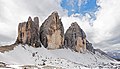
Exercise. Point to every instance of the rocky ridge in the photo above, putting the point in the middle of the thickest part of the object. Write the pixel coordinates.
(51, 34)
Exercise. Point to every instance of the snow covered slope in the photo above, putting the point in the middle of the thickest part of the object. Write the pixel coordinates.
(64, 58)
(114, 54)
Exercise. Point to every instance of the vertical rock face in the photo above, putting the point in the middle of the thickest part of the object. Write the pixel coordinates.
(75, 38)
(28, 32)
(52, 32)
(89, 47)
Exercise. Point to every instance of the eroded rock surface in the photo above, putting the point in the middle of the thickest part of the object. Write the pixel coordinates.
(28, 32)
(52, 32)
(75, 38)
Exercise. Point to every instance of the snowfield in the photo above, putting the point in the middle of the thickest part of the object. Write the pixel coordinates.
(55, 59)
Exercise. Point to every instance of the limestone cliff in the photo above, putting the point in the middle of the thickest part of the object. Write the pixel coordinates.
(75, 38)
(28, 32)
(52, 32)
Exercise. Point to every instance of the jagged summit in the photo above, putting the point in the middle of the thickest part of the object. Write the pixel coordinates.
(29, 18)
(54, 12)
(36, 20)
(51, 34)
(28, 32)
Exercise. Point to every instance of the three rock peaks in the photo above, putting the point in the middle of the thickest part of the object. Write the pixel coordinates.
(51, 34)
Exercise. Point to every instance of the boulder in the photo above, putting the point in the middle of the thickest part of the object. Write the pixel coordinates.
(28, 32)
(75, 38)
(52, 32)
(2, 65)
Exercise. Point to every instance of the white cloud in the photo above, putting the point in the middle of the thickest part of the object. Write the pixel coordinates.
(107, 20)
(12, 12)
(103, 33)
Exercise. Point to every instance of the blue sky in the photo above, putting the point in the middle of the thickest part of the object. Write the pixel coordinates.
(80, 7)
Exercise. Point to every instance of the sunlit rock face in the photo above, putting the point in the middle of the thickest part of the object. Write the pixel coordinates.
(28, 32)
(52, 32)
(75, 38)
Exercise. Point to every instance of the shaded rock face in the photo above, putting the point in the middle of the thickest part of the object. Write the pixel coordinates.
(75, 38)
(89, 47)
(28, 32)
(52, 32)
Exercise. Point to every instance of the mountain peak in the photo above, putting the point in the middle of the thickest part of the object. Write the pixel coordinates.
(54, 12)
(52, 32)
(29, 19)
(75, 38)
(28, 32)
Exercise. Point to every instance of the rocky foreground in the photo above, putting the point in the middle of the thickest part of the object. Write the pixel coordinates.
(24, 56)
